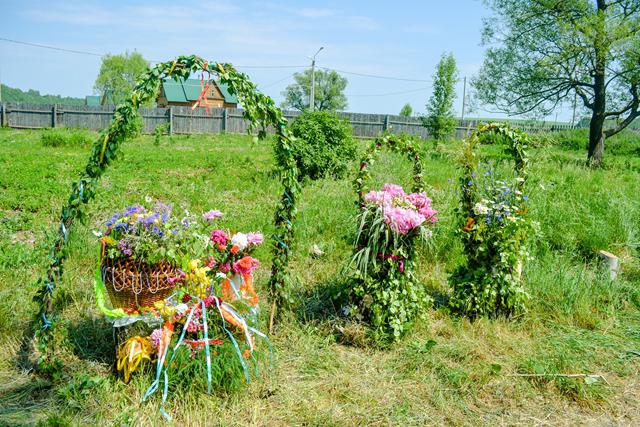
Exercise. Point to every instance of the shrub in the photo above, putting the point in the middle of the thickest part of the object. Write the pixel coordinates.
(64, 137)
(324, 144)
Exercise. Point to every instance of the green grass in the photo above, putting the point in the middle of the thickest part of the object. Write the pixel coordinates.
(446, 371)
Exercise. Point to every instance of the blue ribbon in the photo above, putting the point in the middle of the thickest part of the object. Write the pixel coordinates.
(206, 346)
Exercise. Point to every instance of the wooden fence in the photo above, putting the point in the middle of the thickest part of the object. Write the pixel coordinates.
(181, 120)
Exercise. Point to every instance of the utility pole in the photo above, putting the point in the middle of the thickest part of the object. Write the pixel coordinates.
(464, 96)
(313, 81)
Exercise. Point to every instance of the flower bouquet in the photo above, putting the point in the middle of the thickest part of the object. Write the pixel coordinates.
(495, 235)
(390, 223)
(204, 325)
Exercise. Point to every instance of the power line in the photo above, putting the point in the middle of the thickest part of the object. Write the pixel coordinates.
(277, 81)
(81, 52)
(375, 76)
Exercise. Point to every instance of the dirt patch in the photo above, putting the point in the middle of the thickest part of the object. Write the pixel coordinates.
(26, 237)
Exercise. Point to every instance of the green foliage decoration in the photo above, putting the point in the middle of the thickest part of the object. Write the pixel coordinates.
(385, 291)
(495, 229)
(258, 109)
(324, 144)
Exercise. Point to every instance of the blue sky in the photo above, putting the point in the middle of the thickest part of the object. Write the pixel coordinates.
(399, 39)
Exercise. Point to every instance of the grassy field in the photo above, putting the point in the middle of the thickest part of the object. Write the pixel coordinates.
(446, 371)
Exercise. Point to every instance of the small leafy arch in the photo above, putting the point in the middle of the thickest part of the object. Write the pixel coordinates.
(401, 144)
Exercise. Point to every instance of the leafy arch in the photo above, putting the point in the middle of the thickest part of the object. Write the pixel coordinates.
(516, 145)
(261, 112)
(495, 233)
(401, 144)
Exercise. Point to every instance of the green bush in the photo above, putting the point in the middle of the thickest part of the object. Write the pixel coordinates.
(65, 137)
(324, 144)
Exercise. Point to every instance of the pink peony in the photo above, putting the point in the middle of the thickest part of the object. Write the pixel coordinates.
(255, 238)
(219, 237)
(394, 190)
(402, 220)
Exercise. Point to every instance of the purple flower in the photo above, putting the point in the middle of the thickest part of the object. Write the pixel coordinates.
(212, 214)
(185, 223)
(161, 207)
(149, 220)
(255, 238)
(121, 226)
(133, 209)
(113, 219)
(525, 198)
(157, 231)
(125, 247)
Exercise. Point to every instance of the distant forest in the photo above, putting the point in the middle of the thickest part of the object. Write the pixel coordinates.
(10, 94)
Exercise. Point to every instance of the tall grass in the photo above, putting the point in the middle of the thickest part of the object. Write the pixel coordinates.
(447, 370)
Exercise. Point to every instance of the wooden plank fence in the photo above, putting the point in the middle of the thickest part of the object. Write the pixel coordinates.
(182, 120)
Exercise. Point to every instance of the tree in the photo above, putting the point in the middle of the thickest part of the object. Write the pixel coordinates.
(118, 74)
(440, 120)
(406, 111)
(329, 91)
(545, 51)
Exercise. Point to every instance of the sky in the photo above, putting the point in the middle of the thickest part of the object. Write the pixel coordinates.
(268, 40)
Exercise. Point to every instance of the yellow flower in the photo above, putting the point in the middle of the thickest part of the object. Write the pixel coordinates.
(165, 310)
(109, 241)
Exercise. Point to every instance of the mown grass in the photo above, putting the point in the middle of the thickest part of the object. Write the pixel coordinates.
(446, 371)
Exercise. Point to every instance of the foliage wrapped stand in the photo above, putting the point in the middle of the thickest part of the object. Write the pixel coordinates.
(495, 229)
(385, 291)
(258, 109)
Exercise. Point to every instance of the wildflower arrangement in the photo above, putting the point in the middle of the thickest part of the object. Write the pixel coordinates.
(206, 329)
(386, 293)
(495, 230)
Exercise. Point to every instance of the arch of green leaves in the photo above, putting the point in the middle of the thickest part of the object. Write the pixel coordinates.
(495, 241)
(258, 109)
(394, 143)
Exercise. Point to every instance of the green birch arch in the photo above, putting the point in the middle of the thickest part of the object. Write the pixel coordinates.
(258, 109)
(402, 144)
(517, 142)
(488, 284)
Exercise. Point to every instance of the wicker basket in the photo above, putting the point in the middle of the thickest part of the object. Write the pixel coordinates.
(132, 284)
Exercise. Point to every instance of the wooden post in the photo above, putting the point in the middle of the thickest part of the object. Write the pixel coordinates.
(54, 115)
(2, 114)
(611, 261)
(385, 123)
(170, 120)
(225, 116)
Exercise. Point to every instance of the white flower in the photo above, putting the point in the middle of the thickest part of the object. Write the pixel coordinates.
(240, 240)
(511, 218)
(480, 209)
(181, 309)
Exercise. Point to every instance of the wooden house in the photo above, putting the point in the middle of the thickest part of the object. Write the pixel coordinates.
(186, 92)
